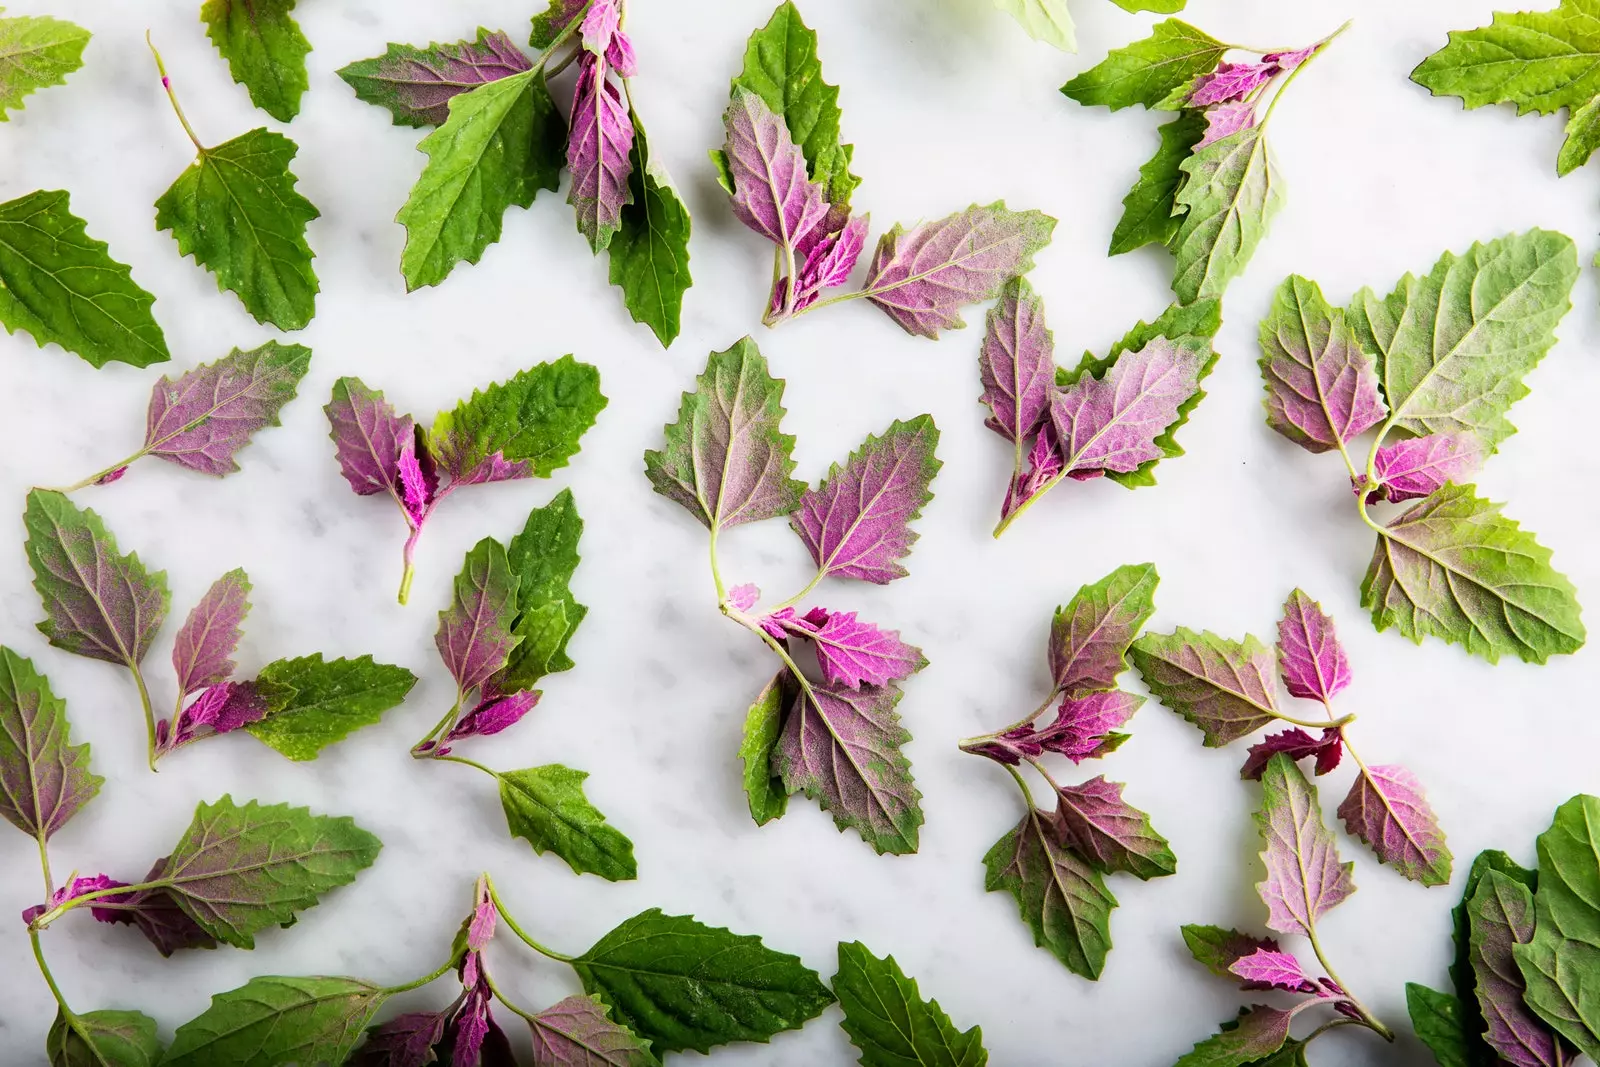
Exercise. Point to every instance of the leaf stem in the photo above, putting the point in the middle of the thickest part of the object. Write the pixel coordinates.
(44, 863)
(503, 999)
(97, 475)
(1026, 720)
(716, 571)
(149, 714)
(420, 982)
(499, 906)
(166, 83)
(1022, 784)
(407, 558)
(561, 38)
(1295, 73)
(438, 727)
(1022, 508)
(490, 771)
(816, 579)
(1372, 1022)
(88, 898)
(61, 1002)
(771, 642)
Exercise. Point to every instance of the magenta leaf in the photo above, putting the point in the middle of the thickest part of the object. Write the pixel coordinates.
(924, 276)
(1230, 81)
(599, 24)
(416, 495)
(112, 476)
(76, 887)
(852, 653)
(1322, 389)
(1304, 876)
(200, 420)
(416, 84)
(578, 1032)
(857, 523)
(1089, 637)
(157, 915)
(620, 56)
(744, 596)
(202, 653)
(1310, 658)
(1287, 61)
(598, 150)
(1270, 969)
(829, 259)
(771, 193)
(1387, 809)
(44, 778)
(1084, 725)
(474, 637)
(492, 716)
(245, 703)
(1224, 120)
(1415, 467)
(1044, 467)
(1111, 423)
(1218, 949)
(368, 437)
(1500, 916)
(1111, 834)
(1297, 745)
(404, 1041)
(480, 928)
(1017, 365)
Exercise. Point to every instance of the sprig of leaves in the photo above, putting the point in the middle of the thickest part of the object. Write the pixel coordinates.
(1431, 370)
(837, 738)
(528, 426)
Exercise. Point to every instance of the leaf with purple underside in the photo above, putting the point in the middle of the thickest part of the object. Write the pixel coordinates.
(1230, 81)
(1258, 1033)
(1062, 899)
(1218, 949)
(44, 778)
(829, 259)
(771, 193)
(842, 747)
(368, 438)
(1113, 423)
(1304, 876)
(1271, 969)
(529, 425)
(853, 653)
(474, 637)
(1082, 729)
(415, 84)
(1415, 467)
(578, 1032)
(1223, 687)
(1297, 745)
(1310, 658)
(404, 1041)
(1016, 364)
(1089, 638)
(1224, 120)
(1500, 915)
(548, 24)
(599, 151)
(857, 523)
(202, 653)
(924, 276)
(156, 915)
(726, 458)
(1111, 834)
(1387, 809)
(1322, 388)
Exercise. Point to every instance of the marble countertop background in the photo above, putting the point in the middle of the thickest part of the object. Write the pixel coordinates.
(947, 103)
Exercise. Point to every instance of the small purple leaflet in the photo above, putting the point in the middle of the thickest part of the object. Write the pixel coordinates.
(1297, 745)
(828, 262)
(620, 56)
(599, 25)
(368, 437)
(404, 1041)
(1083, 724)
(1271, 969)
(480, 930)
(1016, 364)
(1415, 467)
(744, 597)
(1044, 467)
(82, 885)
(852, 653)
(1225, 120)
(1112, 422)
(415, 496)
(771, 193)
(112, 476)
(202, 652)
(492, 716)
(1230, 81)
(1310, 659)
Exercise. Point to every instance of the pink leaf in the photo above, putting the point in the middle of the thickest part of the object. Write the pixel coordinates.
(245, 703)
(1225, 120)
(1230, 81)
(480, 930)
(1287, 61)
(1111, 834)
(620, 56)
(111, 476)
(1322, 389)
(1417, 466)
(1304, 876)
(492, 468)
(1083, 724)
(367, 437)
(829, 261)
(771, 194)
(1111, 423)
(1387, 809)
(780, 622)
(576, 1032)
(1044, 466)
(1016, 363)
(202, 653)
(744, 597)
(474, 636)
(82, 886)
(493, 715)
(415, 495)
(1297, 745)
(209, 413)
(598, 153)
(1267, 968)
(599, 25)
(852, 653)
(1310, 658)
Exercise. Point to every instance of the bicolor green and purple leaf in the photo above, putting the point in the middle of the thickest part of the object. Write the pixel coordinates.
(474, 637)
(406, 1040)
(1322, 389)
(1304, 876)
(1111, 834)
(1083, 729)
(36, 51)
(1150, 214)
(1230, 81)
(1267, 968)
(578, 1032)
(548, 24)
(44, 778)
(93, 1038)
(1257, 1034)
(1062, 899)
(771, 192)
(1225, 120)
(1112, 423)
(1500, 916)
(889, 1021)
(1148, 70)
(368, 438)
(415, 84)
(1223, 687)
(1089, 637)
(1016, 363)
(205, 416)
(1557, 963)
(1228, 198)
(265, 50)
(1217, 949)
(202, 653)
(529, 425)
(1297, 745)
(1386, 808)
(1413, 468)
(599, 151)
(1310, 658)
(852, 653)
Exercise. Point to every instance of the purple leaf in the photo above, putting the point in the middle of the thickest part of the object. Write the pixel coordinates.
(1297, 745)
(1287, 61)
(492, 468)
(493, 715)
(1415, 467)
(1230, 81)
(157, 915)
(1387, 809)
(1310, 658)
(1111, 423)
(185, 726)
(368, 437)
(857, 523)
(620, 56)
(744, 597)
(1084, 724)
(1500, 915)
(852, 653)
(1218, 949)
(576, 1032)
(1111, 834)
(1304, 876)
(924, 276)
(1224, 120)
(1044, 467)
(404, 1041)
(202, 653)
(778, 623)
(200, 420)
(598, 152)
(474, 637)
(1223, 687)
(416, 495)
(81, 886)
(1090, 635)
(771, 193)
(417, 84)
(828, 261)
(245, 704)
(1259, 1033)
(842, 747)
(1322, 389)
(112, 476)
(480, 929)
(473, 1022)
(1270, 969)
(44, 778)
(598, 26)
(1016, 364)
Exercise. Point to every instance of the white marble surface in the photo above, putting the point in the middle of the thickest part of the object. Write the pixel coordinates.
(947, 103)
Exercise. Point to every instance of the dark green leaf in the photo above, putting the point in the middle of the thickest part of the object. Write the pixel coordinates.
(331, 700)
(1145, 71)
(1062, 899)
(278, 1022)
(891, 1024)
(763, 725)
(1438, 1020)
(1560, 963)
(546, 807)
(536, 417)
(544, 556)
(265, 50)
(103, 1039)
(1148, 211)
(650, 251)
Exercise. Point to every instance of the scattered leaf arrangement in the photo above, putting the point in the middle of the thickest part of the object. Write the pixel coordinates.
(499, 140)
(1211, 190)
(1050, 21)
(526, 427)
(837, 737)
(1523, 974)
(1053, 862)
(1115, 417)
(507, 627)
(789, 180)
(1305, 880)
(1434, 366)
(1227, 689)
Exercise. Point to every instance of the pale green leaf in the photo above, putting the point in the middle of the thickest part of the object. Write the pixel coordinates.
(536, 418)
(36, 51)
(1229, 199)
(1044, 20)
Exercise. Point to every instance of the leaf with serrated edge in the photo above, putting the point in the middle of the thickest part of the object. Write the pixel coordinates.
(1111, 834)
(1062, 899)
(367, 438)
(1147, 70)
(1257, 1034)
(1149, 211)
(1462, 974)
(534, 420)
(1566, 938)
(1322, 389)
(1089, 637)
(889, 1021)
(415, 85)
(44, 778)
(1218, 949)
(576, 1032)
(1304, 876)
(103, 1039)
(1386, 808)
(1113, 423)
(265, 50)
(1016, 364)
(207, 414)
(1310, 658)
(202, 653)
(36, 51)
(474, 636)
(771, 193)
(1229, 199)
(546, 807)
(544, 555)
(763, 725)
(1223, 687)
(273, 1021)
(1500, 917)
(650, 250)
(331, 700)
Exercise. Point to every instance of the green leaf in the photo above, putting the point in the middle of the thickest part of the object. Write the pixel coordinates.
(331, 700)
(1217, 948)
(265, 50)
(1149, 211)
(650, 250)
(1225, 688)
(544, 556)
(60, 285)
(97, 603)
(1538, 60)
(1583, 137)
(235, 209)
(1259, 1037)
(103, 1039)
(763, 725)
(1062, 899)
(36, 51)
(1560, 962)
(1231, 195)
(546, 807)
(1465, 334)
(1452, 566)
(781, 66)
(44, 777)
(890, 1023)
(1145, 71)
(1438, 1021)
(548, 24)
(1462, 973)
(1044, 20)
(1160, 7)
(537, 417)
(278, 1022)
(683, 985)
(502, 143)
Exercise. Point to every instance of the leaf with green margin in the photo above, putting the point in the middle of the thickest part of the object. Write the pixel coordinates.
(682, 985)
(1089, 637)
(235, 209)
(1062, 899)
(1149, 211)
(537, 417)
(1227, 689)
(650, 250)
(1538, 60)
(1440, 1024)
(44, 778)
(1218, 949)
(502, 144)
(890, 1023)
(60, 285)
(1452, 566)
(36, 51)
(763, 725)
(274, 1021)
(1560, 961)
(1231, 195)
(331, 700)
(577, 1032)
(1146, 71)
(474, 637)
(1259, 1037)
(782, 67)
(1376, 319)
(546, 807)
(1044, 20)
(415, 84)
(265, 50)
(1583, 137)
(1462, 975)
(103, 1039)
(548, 24)
(544, 555)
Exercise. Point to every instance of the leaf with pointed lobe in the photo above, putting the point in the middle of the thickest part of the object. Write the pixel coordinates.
(544, 556)
(1500, 916)
(1062, 899)
(546, 807)
(1016, 363)
(1111, 834)
(529, 425)
(1437, 1018)
(404, 1041)
(1148, 70)
(320, 702)
(1229, 197)
(265, 50)
(415, 84)
(772, 194)
(578, 1032)
(548, 24)
(1257, 1034)
(852, 653)
(205, 416)
(1218, 949)
(1415, 467)
(474, 637)
(1557, 963)
(1297, 745)
(1150, 213)
(44, 778)
(650, 250)
(889, 1021)
(1114, 423)
(1230, 81)
(368, 438)
(1304, 876)
(1083, 727)
(202, 653)
(1223, 687)
(1322, 389)
(1271, 969)
(1224, 120)
(1387, 809)
(36, 52)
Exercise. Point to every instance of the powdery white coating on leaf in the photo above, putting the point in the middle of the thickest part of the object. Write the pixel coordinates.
(1387, 809)
(771, 193)
(1297, 745)
(1110, 833)
(598, 152)
(44, 778)
(1322, 389)
(1500, 916)
(1229, 197)
(474, 637)
(1260, 1032)
(404, 1041)
(367, 437)
(1224, 120)
(924, 276)
(578, 1032)
(1063, 900)
(828, 261)
(206, 415)
(1223, 687)
(600, 22)
(744, 596)
(1016, 363)
(1111, 423)
(1089, 637)
(416, 84)
(1272, 969)
(1304, 876)
(202, 652)
(853, 653)
(1417, 466)
(1310, 658)
(857, 523)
